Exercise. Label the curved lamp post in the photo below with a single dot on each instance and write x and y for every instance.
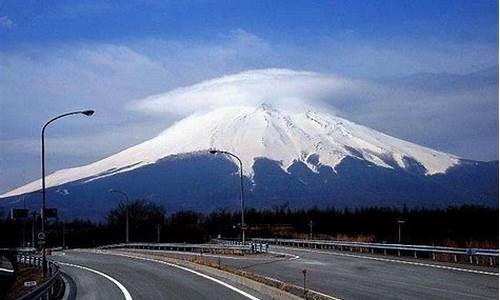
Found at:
(243, 226)
(126, 212)
(87, 113)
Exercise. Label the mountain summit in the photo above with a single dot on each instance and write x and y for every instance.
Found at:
(309, 137)
(286, 155)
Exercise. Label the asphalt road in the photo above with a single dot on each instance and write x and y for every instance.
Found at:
(372, 277)
(141, 279)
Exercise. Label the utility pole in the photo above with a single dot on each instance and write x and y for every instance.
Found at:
(126, 226)
(24, 224)
(158, 233)
(64, 235)
(310, 229)
(33, 229)
(127, 203)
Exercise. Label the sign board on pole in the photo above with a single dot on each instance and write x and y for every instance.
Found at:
(50, 213)
(19, 213)
(30, 283)
(41, 236)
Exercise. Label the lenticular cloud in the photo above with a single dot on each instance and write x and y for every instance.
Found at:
(277, 86)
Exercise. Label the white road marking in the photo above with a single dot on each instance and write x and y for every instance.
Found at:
(191, 271)
(396, 261)
(207, 255)
(292, 256)
(6, 270)
(66, 289)
(326, 296)
(116, 282)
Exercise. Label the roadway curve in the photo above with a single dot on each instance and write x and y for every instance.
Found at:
(350, 276)
(141, 279)
(362, 277)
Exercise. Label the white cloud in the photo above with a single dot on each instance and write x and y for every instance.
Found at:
(277, 86)
(38, 81)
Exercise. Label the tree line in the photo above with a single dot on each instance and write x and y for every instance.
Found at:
(463, 226)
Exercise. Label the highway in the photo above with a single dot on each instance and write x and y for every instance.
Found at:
(351, 276)
(100, 276)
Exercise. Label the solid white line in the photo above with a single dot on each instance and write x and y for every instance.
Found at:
(325, 295)
(66, 289)
(6, 270)
(396, 261)
(204, 254)
(191, 271)
(118, 284)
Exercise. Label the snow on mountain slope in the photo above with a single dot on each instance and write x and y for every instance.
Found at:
(264, 131)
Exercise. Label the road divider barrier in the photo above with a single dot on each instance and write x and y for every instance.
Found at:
(52, 288)
(214, 248)
(476, 256)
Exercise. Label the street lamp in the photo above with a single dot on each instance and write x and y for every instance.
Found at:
(126, 211)
(87, 113)
(243, 226)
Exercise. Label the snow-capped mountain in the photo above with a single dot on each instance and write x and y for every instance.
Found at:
(286, 156)
(262, 132)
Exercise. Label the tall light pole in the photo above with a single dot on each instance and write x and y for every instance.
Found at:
(126, 212)
(243, 226)
(87, 113)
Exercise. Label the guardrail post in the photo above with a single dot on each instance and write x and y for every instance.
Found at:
(415, 254)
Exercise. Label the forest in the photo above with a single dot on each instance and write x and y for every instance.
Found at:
(463, 226)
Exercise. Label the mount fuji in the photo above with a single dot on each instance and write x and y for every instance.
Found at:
(299, 158)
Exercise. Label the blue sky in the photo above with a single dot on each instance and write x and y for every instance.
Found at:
(434, 65)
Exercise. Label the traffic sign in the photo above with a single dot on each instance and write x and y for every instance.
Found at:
(19, 213)
(41, 236)
(50, 213)
(30, 283)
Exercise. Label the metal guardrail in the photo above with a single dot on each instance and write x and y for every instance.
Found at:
(228, 248)
(474, 254)
(254, 246)
(47, 289)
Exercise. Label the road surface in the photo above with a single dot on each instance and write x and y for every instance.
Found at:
(350, 276)
(91, 275)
